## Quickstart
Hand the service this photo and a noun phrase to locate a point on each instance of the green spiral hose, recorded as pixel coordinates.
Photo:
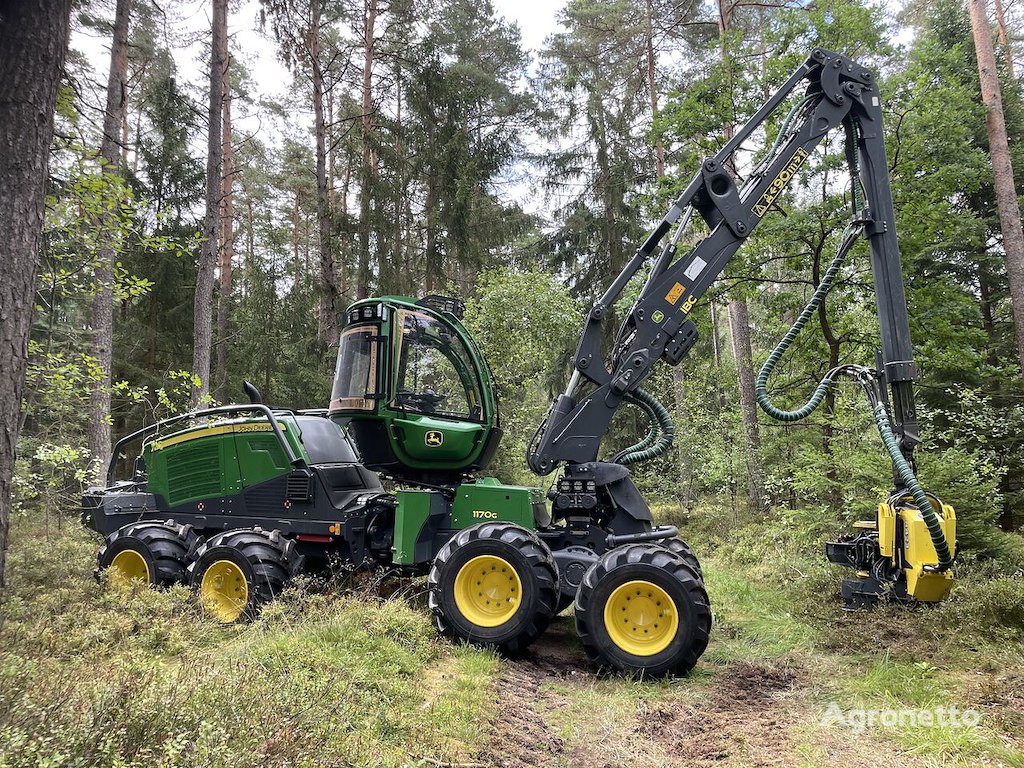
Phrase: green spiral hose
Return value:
(906, 473)
(761, 388)
(658, 438)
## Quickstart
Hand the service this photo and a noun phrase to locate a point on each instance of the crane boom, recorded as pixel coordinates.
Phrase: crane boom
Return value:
(839, 93)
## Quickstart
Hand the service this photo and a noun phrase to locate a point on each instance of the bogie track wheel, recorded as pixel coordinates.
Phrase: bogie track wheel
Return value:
(152, 552)
(682, 549)
(494, 584)
(237, 572)
(642, 609)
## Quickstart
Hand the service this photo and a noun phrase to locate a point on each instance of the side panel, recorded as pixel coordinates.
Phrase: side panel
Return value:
(200, 467)
(919, 551)
(418, 516)
(260, 456)
(428, 441)
(487, 499)
(887, 530)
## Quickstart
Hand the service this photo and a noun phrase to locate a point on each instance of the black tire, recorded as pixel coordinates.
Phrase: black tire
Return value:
(163, 546)
(685, 637)
(262, 561)
(534, 567)
(681, 548)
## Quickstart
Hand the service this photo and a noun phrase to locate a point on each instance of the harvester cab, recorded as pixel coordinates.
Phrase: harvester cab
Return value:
(414, 391)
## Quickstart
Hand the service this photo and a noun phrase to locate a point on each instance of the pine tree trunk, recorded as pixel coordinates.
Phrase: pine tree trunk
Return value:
(1004, 39)
(1002, 169)
(366, 176)
(716, 347)
(203, 306)
(659, 149)
(33, 41)
(739, 325)
(103, 301)
(432, 256)
(327, 328)
(684, 455)
(227, 229)
(297, 257)
(834, 493)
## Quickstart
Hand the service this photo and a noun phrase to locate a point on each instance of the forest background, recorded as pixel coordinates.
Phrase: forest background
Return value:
(418, 148)
(207, 222)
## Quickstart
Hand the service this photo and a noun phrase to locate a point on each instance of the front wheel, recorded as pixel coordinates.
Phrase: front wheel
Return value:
(642, 609)
(494, 584)
(681, 548)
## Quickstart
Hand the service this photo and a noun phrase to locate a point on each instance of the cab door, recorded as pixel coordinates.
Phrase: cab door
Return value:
(437, 393)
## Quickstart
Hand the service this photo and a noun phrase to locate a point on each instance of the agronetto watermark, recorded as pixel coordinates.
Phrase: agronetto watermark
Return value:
(860, 720)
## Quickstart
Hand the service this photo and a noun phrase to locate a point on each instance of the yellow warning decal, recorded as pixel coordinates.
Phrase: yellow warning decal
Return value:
(674, 295)
(196, 434)
(775, 188)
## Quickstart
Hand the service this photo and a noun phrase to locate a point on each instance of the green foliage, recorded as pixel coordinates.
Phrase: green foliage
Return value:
(526, 325)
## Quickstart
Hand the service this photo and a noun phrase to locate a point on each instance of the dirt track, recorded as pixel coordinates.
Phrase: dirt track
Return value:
(752, 716)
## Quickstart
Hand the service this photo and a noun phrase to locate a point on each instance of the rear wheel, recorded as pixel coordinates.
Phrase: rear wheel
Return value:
(237, 572)
(149, 552)
(641, 608)
(494, 584)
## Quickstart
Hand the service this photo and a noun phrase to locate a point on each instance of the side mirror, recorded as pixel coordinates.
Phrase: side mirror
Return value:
(139, 469)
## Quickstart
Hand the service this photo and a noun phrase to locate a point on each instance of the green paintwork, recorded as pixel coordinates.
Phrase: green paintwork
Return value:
(411, 513)
(420, 515)
(411, 434)
(416, 433)
(487, 499)
(219, 458)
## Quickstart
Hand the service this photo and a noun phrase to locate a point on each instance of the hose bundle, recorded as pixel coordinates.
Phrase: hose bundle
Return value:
(867, 378)
(659, 435)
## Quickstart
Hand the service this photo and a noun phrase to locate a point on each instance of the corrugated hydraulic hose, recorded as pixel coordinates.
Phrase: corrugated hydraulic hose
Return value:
(658, 438)
(906, 473)
(823, 387)
(899, 461)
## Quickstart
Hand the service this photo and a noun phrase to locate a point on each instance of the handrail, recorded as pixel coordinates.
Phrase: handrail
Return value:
(221, 410)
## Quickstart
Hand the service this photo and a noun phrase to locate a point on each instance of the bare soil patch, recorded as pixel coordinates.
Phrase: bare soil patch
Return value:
(521, 734)
(755, 715)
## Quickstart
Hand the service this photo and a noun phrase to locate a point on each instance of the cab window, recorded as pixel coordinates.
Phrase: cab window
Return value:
(355, 377)
(435, 372)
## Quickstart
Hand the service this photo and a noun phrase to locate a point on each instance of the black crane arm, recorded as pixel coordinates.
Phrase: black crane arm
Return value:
(839, 92)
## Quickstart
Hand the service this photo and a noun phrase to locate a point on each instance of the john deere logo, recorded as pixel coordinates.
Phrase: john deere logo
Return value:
(434, 438)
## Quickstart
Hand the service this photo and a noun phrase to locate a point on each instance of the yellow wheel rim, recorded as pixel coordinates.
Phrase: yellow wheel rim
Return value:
(641, 618)
(128, 567)
(224, 591)
(488, 591)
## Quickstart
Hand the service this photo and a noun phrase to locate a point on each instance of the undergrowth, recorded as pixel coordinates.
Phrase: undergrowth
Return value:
(342, 671)
(93, 677)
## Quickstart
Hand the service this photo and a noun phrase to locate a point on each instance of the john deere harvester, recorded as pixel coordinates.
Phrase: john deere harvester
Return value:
(238, 499)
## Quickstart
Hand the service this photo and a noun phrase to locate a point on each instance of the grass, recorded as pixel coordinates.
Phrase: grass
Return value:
(90, 677)
(338, 676)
